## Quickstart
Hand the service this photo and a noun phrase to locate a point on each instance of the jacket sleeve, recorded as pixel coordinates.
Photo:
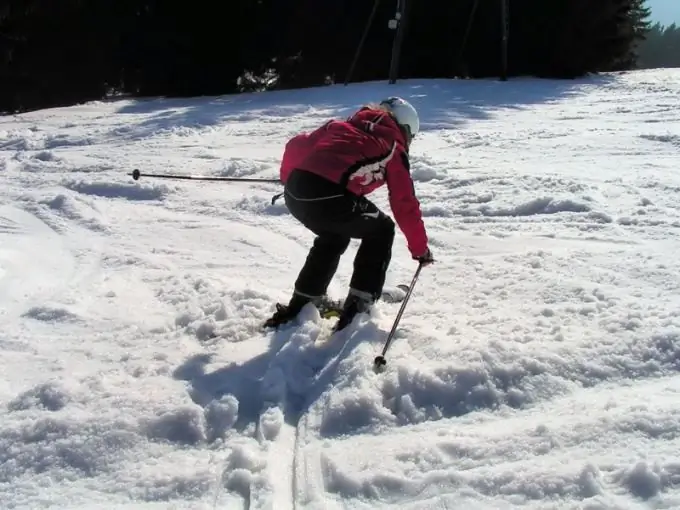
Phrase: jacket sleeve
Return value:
(404, 204)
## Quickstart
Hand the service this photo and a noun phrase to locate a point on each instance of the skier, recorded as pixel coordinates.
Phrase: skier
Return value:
(326, 175)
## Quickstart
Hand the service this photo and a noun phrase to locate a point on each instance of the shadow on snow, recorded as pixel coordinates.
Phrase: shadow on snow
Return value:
(302, 372)
(291, 374)
(442, 103)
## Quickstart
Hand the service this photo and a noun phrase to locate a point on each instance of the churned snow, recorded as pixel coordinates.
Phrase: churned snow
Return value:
(536, 365)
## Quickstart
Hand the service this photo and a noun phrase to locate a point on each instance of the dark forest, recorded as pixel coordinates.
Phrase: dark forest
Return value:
(60, 53)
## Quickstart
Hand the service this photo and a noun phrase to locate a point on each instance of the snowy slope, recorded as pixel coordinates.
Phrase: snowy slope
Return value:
(536, 366)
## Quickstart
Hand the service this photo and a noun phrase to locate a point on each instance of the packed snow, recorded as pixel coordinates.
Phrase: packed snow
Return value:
(536, 365)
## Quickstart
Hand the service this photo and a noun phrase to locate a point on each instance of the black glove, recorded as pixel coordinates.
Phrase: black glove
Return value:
(426, 258)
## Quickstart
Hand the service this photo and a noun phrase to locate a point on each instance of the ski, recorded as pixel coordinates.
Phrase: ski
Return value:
(395, 295)
(330, 309)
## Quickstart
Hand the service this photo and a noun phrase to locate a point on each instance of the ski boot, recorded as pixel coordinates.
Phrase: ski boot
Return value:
(327, 308)
(286, 313)
(356, 303)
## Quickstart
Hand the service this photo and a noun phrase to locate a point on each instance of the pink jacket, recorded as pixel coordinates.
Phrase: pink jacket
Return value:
(362, 153)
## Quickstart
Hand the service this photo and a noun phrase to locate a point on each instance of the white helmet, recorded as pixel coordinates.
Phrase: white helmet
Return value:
(405, 113)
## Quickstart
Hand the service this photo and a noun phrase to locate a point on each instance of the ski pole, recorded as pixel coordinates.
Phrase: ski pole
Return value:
(136, 174)
(379, 362)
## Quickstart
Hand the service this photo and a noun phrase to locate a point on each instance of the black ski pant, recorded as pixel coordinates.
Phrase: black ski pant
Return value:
(335, 215)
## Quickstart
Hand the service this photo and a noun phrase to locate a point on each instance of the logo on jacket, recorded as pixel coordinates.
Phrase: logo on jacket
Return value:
(372, 171)
(369, 174)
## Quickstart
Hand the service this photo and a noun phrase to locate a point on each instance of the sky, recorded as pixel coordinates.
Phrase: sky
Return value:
(665, 11)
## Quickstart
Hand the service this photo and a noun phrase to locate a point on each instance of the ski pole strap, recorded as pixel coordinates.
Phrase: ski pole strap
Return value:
(276, 197)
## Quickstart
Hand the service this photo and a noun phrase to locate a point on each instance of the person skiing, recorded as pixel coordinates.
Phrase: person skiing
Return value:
(326, 175)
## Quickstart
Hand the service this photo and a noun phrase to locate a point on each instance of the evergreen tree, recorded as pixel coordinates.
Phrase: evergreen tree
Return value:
(661, 47)
(57, 53)
(197, 49)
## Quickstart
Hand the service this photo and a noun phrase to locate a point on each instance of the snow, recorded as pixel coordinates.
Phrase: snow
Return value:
(536, 366)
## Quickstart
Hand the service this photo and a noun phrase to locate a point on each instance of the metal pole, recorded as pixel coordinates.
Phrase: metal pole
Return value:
(379, 362)
(462, 69)
(505, 22)
(361, 42)
(136, 174)
(398, 39)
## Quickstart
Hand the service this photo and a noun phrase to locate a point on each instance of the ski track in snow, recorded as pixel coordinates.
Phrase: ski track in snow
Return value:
(536, 366)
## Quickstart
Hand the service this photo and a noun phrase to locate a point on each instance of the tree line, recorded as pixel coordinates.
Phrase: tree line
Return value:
(661, 47)
(62, 52)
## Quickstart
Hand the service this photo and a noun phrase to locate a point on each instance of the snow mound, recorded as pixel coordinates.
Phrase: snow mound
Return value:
(128, 191)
